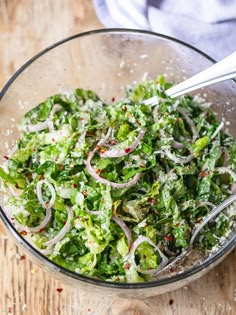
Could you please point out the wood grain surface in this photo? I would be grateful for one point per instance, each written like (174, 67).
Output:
(26, 27)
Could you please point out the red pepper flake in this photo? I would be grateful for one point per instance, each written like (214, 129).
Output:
(41, 177)
(89, 309)
(68, 137)
(127, 151)
(98, 147)
(138, 122)
(157, 82)
(85, 192)
(125, 109)
(144, 256)
(117, 279)
(171, 269)
(127, 266)
(6, 157)
(23, 233)
(112, 142)
(75, 186)
(9, 309)
(41, 230)
(53, 139)
(16, 185)
(176, 224)
(203, 174)
(142, 165)
(34, 150)
(12, 218)
(113, 99)
(22, 257)
(46, 204)
(102, 151)
(152, 201)
(168, 238)
(59, 290)
(171, 302)
(99, 171)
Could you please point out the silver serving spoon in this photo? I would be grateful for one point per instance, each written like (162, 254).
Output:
(216, 210)
(220, 71)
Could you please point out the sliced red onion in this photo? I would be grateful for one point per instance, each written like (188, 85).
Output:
(40, 196)
(14, 191)
(102, 180)
(124, 227)
(81, 140)
(141, 239)
(99, 213)
(63, 231)
(46, 251)
(218, 129)
(50, 126)
(190, 123)
(224, 169)
(45, 124)
(39, 227)
(38, 127)
(99, 179)
(55, 109)
(205, 203)
(114, 153)
(178, 145)
(178, 159)
(105, 138)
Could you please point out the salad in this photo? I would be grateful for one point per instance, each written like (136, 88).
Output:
(114, 190)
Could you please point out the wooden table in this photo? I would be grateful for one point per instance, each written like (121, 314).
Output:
(26, 27)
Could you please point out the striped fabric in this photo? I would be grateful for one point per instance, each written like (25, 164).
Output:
(209, 25)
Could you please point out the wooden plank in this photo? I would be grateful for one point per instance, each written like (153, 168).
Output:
(26, 27)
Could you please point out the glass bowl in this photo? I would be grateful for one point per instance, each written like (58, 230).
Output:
(106, 61)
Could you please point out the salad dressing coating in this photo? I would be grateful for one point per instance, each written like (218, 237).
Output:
(114, 190)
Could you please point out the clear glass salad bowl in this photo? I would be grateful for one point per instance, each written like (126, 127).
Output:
(106, 61)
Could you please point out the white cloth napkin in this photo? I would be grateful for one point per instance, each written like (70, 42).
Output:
(209, 25)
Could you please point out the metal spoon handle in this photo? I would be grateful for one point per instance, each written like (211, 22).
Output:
(211, 215)
(220, 71)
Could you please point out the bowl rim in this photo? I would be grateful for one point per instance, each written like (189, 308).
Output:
(86, 279)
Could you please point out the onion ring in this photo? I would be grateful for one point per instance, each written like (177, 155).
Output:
(124, 227)
(134, 246)
(114, 153)
(40, 196)
(63, 231)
